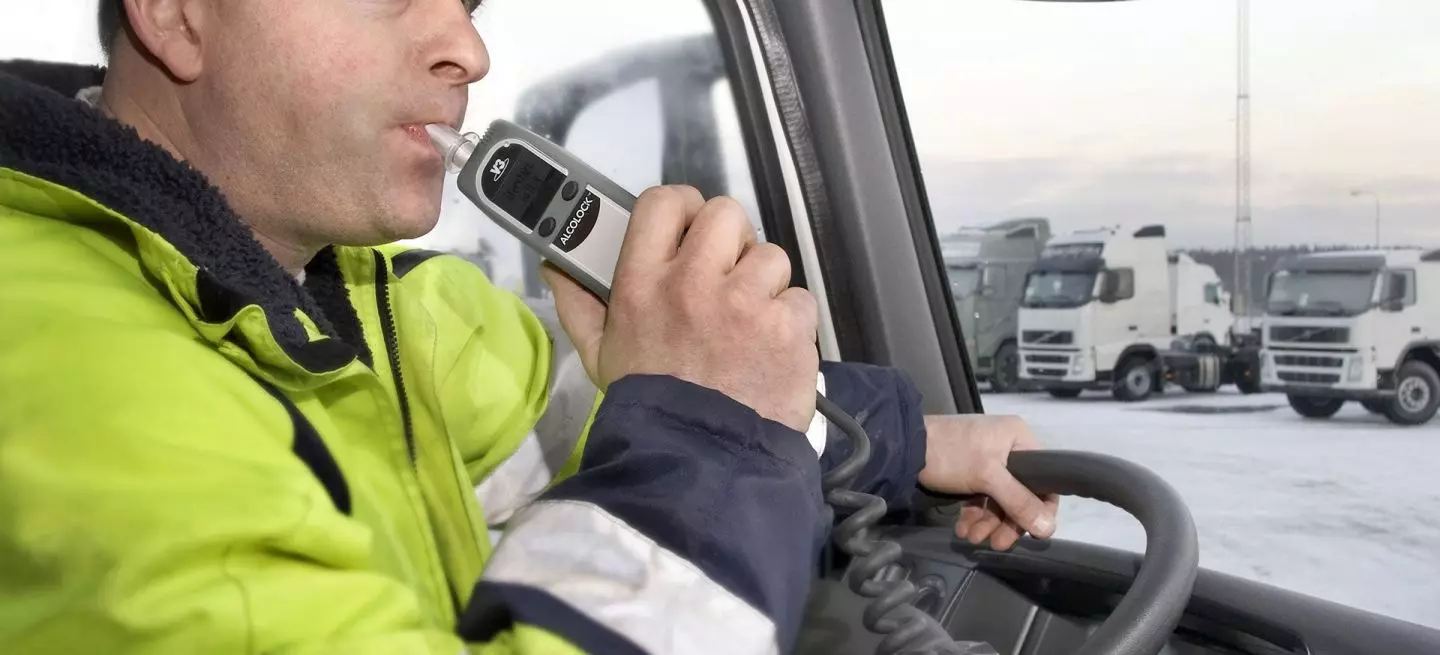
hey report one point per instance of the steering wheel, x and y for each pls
(1152, 607)
(1145, 617)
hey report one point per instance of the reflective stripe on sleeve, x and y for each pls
(613, 575)
(518, 480)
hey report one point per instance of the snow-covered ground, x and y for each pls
(1346, 509)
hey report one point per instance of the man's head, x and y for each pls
(309, 116)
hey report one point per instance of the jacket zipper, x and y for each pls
(392, 347)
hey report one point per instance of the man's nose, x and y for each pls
(458, 54)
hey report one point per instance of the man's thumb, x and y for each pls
(1023, 506)
(582, 316)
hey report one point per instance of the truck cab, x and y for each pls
(1199, 303)
(986, 270)
(1355, 325)
(1101, 309)
(1095, 313)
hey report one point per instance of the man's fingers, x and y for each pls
(1052, 505)
(764, 268)
(984, 528)
(582, 316)
(804, 310)
(969, 516)
(659, 220)
(1024, 507)
(717, 236)
(1006, 535)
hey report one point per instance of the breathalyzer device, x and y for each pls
(542, 195)
(558, 206)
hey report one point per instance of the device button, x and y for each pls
(569, 190)
(547, 227)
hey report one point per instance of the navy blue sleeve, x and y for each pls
(708, 478)
(887, 404)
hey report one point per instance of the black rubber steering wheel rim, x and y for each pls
(1153, 606)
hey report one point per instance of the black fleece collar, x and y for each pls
(47, 133)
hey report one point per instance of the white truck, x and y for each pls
(1103, 308)
(1356, 325)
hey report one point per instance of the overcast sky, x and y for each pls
(1110, 113)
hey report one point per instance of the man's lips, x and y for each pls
(417, 134)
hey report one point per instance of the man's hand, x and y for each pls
(967, 454)
(696, 297)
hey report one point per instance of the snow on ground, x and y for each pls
(1345, 509)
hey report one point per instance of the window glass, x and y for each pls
(1108, 117)
(1402, 287)
(1212, 293)
(964, 280)
(1124, 284)
(993, 279)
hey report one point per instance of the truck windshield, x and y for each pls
(963, 280)
(1058, 288)
(1320, 293)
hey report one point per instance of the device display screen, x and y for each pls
(521, 183)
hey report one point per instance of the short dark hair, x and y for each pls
(111, 23)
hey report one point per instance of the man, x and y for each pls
(230, 424)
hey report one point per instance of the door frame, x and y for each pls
(842, 113)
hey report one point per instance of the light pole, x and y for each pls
(1241, 299)
(1376, 196)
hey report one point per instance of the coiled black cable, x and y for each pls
(892, 613)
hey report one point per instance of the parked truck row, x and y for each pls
(1120, 311)
(1098, 309)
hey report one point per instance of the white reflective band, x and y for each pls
(816, 432)
(516, 481)
(621, 579)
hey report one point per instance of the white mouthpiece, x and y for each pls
(455, 147)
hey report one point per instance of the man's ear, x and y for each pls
(169, 32)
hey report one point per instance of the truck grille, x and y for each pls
(1042, 358)
(1052, 337)
(1303, 334)
(1312, 361)
(1302, 377)
(1038, 372)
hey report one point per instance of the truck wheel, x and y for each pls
(1417, 394)
(1249, 381)
(1312, 407)
(1135, 380)
(1064, 393)
(1006, 374)
(1374, 406)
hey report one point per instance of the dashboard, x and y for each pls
(1046, 597)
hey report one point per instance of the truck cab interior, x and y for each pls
(833, 177)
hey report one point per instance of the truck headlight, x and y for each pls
(1077, 364)
(1356, 368)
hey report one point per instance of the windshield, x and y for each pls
(1058, 288)
(1049, 109)
(963, 280)
(1320, 293)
